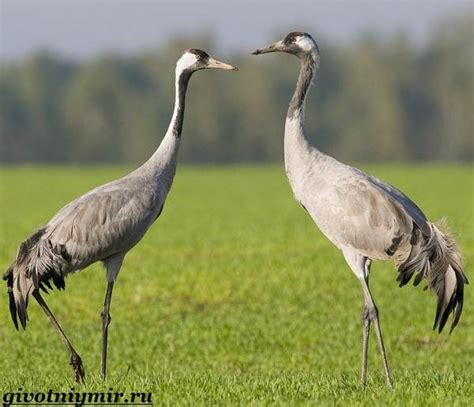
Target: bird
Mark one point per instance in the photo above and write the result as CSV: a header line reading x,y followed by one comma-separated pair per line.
x,y
365,218
102,225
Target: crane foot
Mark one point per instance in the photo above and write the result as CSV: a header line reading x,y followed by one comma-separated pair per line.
x,y
78,372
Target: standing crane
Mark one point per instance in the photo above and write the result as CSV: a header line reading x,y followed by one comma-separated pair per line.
x,y
101,225
364,217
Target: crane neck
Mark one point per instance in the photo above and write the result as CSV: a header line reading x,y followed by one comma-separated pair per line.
x,y
163,162
176,125
298,150
309,66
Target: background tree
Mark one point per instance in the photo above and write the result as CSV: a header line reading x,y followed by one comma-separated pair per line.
x,y
376,99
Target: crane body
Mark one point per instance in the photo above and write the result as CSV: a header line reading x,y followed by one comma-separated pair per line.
x,y
101,225
364,217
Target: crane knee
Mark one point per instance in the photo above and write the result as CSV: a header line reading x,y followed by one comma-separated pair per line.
x,y
369,313
106,318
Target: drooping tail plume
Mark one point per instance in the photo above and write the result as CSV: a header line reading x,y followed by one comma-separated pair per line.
x,y
437,260
8,277
35,263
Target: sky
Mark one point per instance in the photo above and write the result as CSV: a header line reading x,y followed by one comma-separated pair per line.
x,y
87,28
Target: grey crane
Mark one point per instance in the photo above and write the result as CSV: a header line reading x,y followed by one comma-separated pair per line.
x,y
364,217
101,225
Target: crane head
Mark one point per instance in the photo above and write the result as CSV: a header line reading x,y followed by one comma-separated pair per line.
x,y
297,43
195,59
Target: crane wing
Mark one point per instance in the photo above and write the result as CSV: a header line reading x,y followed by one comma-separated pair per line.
x,y
371,216
408,205
101,223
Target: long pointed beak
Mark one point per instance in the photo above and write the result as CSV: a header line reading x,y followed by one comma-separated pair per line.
x,y
215,64
276,46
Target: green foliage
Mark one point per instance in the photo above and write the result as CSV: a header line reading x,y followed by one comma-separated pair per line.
x,y
233,297
375,99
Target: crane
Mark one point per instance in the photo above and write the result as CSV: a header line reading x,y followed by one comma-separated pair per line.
x,y
364,217
101,225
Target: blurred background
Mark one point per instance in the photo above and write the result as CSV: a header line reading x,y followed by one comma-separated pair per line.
x,y
92,81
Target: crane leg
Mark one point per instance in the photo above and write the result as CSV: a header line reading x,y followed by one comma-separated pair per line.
x,y
370,315
365,347
75,360
105,326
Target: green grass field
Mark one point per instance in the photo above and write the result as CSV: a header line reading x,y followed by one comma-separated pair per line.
x,y
234,297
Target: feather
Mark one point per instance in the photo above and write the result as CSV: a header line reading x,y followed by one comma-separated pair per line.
x,y
37,261
437,260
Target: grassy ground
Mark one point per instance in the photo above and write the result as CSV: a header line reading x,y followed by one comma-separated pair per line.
x,y
233,297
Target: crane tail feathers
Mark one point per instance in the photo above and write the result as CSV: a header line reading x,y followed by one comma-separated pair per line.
x,y
13,310
437,260
35,264
19,288
8,277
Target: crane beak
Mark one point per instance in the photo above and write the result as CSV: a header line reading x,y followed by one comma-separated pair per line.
x,y
215,64
276,46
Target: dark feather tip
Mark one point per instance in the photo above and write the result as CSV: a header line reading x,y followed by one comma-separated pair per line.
x,y
13,310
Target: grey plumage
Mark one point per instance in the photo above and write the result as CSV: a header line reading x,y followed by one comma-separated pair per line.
x,y
99,226
437,260
364,217
103,224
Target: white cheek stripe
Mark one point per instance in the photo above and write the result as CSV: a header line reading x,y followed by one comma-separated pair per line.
x,y
305,44
185,61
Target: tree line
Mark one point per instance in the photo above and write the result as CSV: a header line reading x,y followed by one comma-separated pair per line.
x,y
375,99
